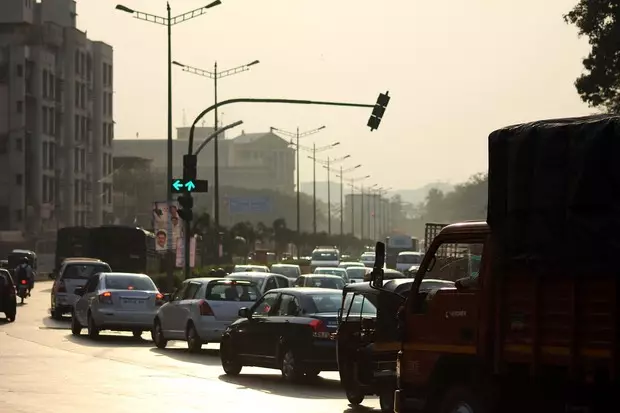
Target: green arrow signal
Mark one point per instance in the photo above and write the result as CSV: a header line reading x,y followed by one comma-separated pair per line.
x,y
190,186
177,185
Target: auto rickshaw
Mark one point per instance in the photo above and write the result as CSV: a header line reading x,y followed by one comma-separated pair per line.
x,y
15,257
368,341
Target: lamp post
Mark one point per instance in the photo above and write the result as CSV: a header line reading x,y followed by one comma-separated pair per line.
x,y
314,151
297,136
215,75
169,21
364,217
341,176
352,183
326,165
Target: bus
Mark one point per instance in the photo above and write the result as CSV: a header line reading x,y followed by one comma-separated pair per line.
x,y
126,249
72,242
396,244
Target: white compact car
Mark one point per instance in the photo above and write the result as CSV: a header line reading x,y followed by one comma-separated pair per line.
x,y
324,257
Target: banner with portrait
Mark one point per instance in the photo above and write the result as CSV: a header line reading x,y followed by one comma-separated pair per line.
x,y
167,226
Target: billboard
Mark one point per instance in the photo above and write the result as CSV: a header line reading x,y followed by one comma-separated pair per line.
x,y
249,205
167,226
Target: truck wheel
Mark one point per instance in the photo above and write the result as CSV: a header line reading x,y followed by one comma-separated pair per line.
x,y
460,399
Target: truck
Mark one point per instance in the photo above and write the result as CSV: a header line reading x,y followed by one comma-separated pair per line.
x,y
397,243
431,230
532,324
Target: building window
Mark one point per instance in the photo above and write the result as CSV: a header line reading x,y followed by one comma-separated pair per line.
x,y
4,144
20,106
20,70
76,128
83,96
52,156
76,192
19,179
110,104
45,155
105,103
44,119
19,144
76,159
19,215
82,160
105,74
77,94
52,122
45,85
45,189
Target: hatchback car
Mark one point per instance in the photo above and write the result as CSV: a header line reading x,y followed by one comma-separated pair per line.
x,y
116,301
73,273
290,329
200,311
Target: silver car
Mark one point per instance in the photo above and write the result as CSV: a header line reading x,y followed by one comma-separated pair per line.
x,y
263,281
116,301
200,311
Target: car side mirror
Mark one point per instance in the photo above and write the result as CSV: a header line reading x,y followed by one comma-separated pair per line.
x,y
79,291
244,312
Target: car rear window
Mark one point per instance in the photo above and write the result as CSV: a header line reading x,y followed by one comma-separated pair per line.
x,y
409,259
325,282
128,282
231,291
356,272
340,272
84,271
286,271
257,281
327,303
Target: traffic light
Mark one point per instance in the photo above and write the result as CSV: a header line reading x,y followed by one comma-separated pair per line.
x,y
187,203
378,111
190,163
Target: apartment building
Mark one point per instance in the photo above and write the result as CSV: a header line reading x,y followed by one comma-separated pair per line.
x,y
56,119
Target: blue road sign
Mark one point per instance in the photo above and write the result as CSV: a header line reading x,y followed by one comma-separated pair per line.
x,y
249,205
181,186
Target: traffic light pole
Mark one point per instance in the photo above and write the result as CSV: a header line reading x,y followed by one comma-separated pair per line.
x,y
190,146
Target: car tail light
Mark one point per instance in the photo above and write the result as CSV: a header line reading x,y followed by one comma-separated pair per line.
x,y
105,297
61,287
24,282
205,308
319,330
159,299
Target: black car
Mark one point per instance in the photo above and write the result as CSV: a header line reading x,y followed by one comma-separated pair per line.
x,y
290,329
8,299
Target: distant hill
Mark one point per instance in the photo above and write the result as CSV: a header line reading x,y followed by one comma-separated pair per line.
x,y
413,196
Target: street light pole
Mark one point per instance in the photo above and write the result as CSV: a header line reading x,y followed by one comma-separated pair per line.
x,y
216,75
169,21
314,188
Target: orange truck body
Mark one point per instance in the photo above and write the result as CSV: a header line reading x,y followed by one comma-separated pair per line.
x,y
528,336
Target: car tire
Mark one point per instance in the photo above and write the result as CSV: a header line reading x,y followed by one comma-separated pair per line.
x,y
10,317
230,364
194,344
157,335
137,333
93,330
76,327
56,314
291,370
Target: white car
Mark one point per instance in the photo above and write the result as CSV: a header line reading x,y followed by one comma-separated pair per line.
x,y
349,264
201,310
340,272
368,259
263,281
250,268
323,257
116,301
409,261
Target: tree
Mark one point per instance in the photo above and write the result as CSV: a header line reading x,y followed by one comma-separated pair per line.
x,y
599,20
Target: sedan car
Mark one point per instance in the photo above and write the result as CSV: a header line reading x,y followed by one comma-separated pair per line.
x,y
340,272
116,301
290,329
332,282
368,259
357,274
200,311
263,281
290,271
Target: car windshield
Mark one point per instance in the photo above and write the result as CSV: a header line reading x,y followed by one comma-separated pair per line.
x,y
341,272
327,303
129,282
231,291
324,256
84,271
326,282
257,281
286,271
361,304
409,259
356,272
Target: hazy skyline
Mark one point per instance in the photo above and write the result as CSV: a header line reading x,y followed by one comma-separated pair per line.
x,y
455,71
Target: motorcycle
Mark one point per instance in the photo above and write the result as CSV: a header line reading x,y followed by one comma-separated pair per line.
x,y
22,290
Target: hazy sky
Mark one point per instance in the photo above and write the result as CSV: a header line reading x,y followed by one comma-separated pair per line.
x,y
456,70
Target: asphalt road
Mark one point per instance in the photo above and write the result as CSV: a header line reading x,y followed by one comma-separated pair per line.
x,y
43,368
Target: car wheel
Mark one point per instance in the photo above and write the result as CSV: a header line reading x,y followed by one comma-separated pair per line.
x,y
76,327
157,334
10,317
56,314
137,333
194,344
291,370
93,330
230,364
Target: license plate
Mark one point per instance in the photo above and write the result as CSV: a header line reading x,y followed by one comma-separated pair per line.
x,y
132,301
